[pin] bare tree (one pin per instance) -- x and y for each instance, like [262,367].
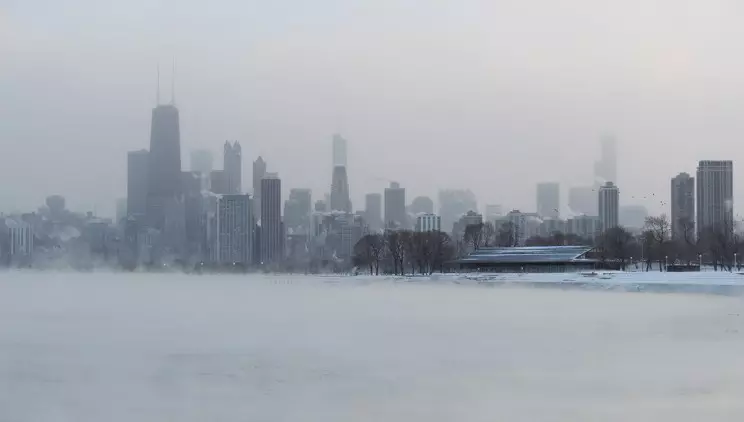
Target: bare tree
[507,235]
[442,250]
[364,252]
[473,237]
[660,228]
[488,234]
[615,244]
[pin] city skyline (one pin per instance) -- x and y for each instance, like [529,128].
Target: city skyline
[652,83]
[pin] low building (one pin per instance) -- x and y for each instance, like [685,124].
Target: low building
[428,223]
[537,259]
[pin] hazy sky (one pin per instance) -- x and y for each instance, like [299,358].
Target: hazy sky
[487,94]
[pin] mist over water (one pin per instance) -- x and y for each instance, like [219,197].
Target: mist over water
[105,347]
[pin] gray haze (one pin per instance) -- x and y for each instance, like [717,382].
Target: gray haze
[152,348]
[495,95]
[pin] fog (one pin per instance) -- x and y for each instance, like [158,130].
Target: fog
[480,92]
[92,347]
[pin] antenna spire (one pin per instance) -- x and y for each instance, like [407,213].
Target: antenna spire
[157,89]
[173,83]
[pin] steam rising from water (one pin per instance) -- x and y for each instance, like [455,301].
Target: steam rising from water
[172,347]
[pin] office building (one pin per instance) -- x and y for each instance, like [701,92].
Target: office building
[395,207]
[609,206]
[683,206]
[548,200]
[164,177]
[373,211]
[454,203]
[715,203]
[428,223]
[340,190]
[272,232]
[259,171]
[138,168]
[339,151]
[421,205]
[236,230]
[233,168]
[297,210]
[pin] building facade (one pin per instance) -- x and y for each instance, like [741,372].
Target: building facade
[259,171]
[683,206]
[164,176]
[428,223]
[396,216]
[297,210]
[272,231]
[373,211]
[609,206]
[715,202]
[233,168]
[138,168]
[236,229]
[202,161]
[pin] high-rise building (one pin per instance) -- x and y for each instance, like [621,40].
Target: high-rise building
[609,204]
[339,151]
[340,190]
[233,168]
[395,207]
[605,170]
[218,182]
[548,200]
[373,211]
[259,171]
[138,167]
[428,223]
[236,230]
[272,232]
[683,206]
[715,202]
[494,212]
[422,205]
[164,186]
[121,209]
[202,161]
[454,203]
[297,211]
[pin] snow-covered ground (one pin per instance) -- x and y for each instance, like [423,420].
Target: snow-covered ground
[137,347]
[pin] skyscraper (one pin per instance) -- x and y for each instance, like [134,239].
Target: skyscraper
[236,230]
[373,211]
[339,151]
[297,211]
[609,203]
[259,171]
[548,200]
[454,203]
[395,207]
[138,167]
[715,204]
[164,186]
[683,206]
[233,167]
[605,170]
[202,161]
[272,233]
[340,200]
[583,200]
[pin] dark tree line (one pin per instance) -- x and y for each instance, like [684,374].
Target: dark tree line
[404,252]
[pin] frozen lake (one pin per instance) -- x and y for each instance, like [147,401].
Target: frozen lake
[160,348]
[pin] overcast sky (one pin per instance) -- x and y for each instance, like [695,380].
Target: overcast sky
[494,95]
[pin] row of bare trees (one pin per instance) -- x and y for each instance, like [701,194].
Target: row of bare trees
[404,252]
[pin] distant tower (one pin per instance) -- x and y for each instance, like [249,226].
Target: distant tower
[609,206]
[164,186]
[340,200]
[715,203]
[297,211]
[373,211]
[138,167]
[259,171]
[233,167]
[683,206]
[395,207]
[548,200]
[235,230]
[422,205]
[272,233]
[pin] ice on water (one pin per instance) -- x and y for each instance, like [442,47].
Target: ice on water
[135,347]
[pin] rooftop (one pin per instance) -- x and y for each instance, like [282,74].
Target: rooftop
[528,254]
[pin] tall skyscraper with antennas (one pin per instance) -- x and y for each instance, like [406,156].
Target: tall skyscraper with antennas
[164,178]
